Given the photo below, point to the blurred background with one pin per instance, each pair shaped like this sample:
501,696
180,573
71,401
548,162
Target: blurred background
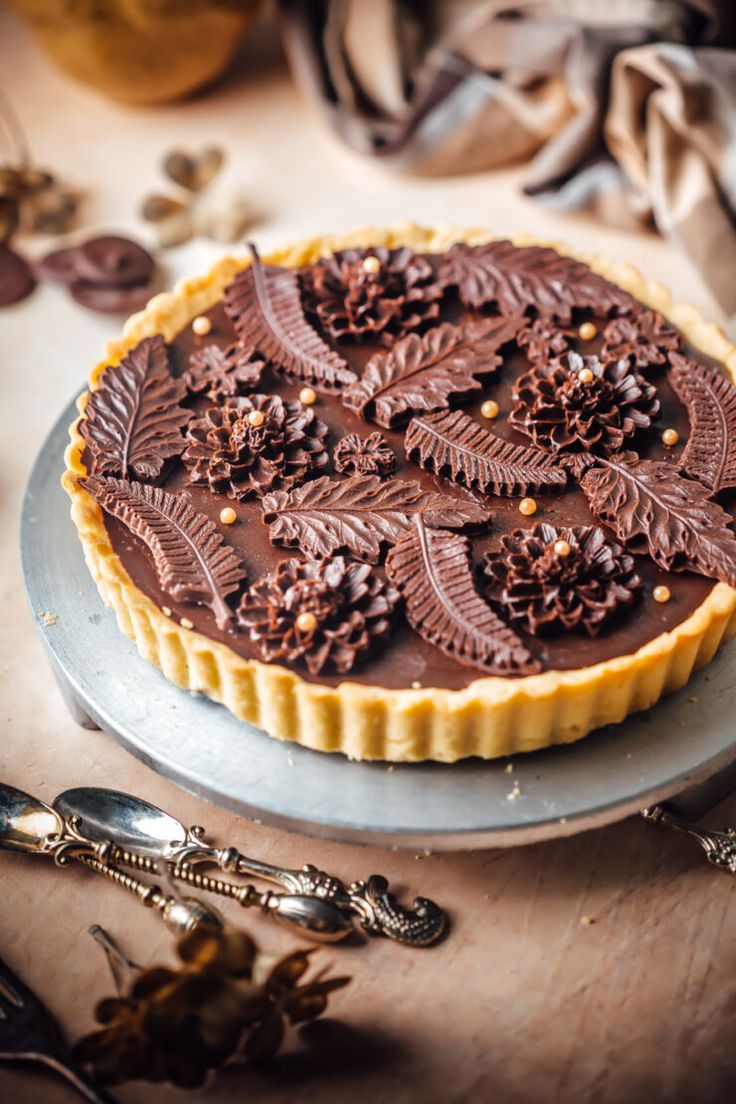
609,124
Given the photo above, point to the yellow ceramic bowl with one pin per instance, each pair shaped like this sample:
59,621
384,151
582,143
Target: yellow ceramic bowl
139,51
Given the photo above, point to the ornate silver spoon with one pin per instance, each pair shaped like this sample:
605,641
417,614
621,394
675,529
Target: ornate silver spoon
29,825
142,829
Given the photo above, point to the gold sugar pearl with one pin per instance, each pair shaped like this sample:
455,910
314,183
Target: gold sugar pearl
186,623
489,409
670,437
306,622
587,331
585,375
661,594
228,516
307,396
256,418
371,265
527,507
562,548
202,325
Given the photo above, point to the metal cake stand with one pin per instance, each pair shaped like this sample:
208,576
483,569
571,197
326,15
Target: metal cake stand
204,749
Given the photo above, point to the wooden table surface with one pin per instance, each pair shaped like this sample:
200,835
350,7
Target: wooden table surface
527,1000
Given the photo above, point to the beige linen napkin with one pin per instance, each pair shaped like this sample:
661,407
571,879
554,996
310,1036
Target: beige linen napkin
626,108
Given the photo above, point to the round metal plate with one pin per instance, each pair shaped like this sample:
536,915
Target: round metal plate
203,748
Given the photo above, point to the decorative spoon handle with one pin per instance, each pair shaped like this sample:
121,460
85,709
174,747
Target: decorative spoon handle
140,829
314,918
719,847
370,902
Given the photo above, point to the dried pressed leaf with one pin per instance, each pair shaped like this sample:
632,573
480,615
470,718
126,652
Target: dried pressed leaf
425,371
710,453
431,568
193,562
133,422
652,508
517,278
453,444
266,308
359,514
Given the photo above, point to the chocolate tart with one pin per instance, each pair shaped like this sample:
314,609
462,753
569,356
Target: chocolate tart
415,494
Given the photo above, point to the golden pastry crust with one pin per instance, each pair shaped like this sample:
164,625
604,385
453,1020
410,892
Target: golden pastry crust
492,716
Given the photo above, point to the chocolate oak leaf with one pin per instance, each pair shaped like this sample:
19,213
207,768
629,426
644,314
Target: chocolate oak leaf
425,371
653,509
710,452
516,278
451,443
266,309
193,563
432,569
132,423
359,514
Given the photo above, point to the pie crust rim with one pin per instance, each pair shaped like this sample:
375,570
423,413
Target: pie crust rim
492,716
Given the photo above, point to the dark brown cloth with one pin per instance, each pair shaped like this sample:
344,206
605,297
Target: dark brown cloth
626,108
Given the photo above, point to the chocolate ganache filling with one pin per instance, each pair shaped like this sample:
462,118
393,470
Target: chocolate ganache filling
421,471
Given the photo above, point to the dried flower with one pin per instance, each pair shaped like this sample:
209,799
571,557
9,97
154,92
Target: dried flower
225,999
196,210
32,200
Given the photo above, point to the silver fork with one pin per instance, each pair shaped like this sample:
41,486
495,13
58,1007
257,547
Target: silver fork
29,1033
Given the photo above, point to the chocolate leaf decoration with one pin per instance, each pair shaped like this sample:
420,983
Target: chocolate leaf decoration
424,371
132,423
432,569
453,444
516,278
266,308
650,507
710,453
359,514
193,563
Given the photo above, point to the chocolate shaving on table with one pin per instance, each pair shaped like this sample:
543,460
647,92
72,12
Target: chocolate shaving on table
59,266
427,371
560,412
356,303
360,514
351,605
644,335
113,300
231,456
452,444
193,563
223,373
109,274
358,455
516,279
16,278
543,592
432,569
710,398
265,306
651,508
133,422
114,261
